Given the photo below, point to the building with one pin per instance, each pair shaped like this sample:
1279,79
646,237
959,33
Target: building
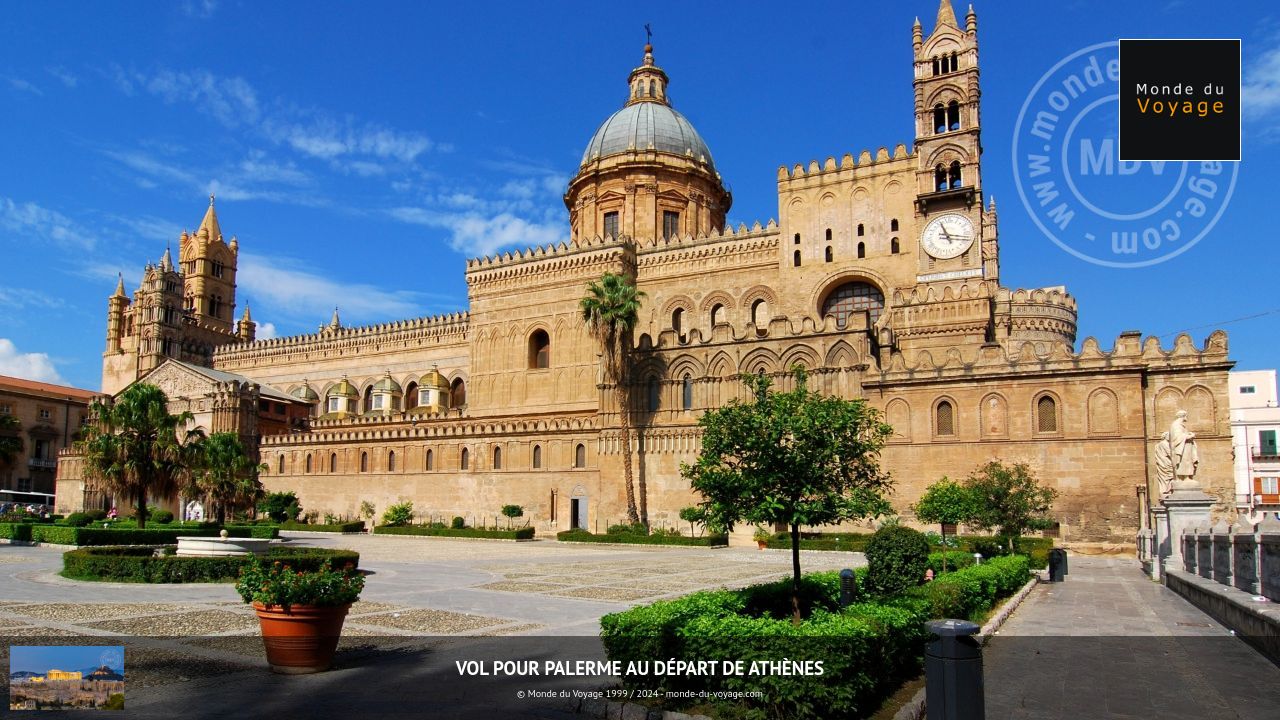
881,275
1255,424
62,675
48,417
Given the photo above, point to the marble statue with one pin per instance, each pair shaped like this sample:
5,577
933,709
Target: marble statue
1182,448
1164,466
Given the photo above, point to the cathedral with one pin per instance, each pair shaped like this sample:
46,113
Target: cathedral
881,276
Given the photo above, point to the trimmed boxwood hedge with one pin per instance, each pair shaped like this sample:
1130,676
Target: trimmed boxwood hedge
1035,548
135,563
867,650
354,526
86,536
638,539
524,533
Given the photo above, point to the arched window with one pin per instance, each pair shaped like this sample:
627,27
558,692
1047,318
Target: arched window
940,178
862,250
537,457
945,421
953,115
828,234
861,230
677,320
795,259
853,297
465,461
308,462
718,315
686,393
953,175
894,247
797,242
411,396
457,393
429,460
830,255
935,66
391,461
760,313
893,225
497,458
333,462
655,394
280,465
939,119
653,89
364,462
580,456
368,399
1046,414
539,350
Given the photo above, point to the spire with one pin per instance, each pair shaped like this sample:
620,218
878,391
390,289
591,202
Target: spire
247,329
209,225
946,16
335,323
119,286
246,317
234,244
648,82
166,262
971,21
917,34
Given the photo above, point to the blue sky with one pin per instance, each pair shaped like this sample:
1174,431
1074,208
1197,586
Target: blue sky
361,156
42,658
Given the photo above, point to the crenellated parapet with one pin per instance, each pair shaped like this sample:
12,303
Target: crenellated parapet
435,426
847,169
546,263
448,328
1040,315
728,248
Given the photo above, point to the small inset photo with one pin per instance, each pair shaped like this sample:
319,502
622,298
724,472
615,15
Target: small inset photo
66,677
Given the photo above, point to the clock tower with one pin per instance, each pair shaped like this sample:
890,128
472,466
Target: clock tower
956,238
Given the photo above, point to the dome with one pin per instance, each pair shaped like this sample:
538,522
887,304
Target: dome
644,126
344,389
434,379
387,385
306,393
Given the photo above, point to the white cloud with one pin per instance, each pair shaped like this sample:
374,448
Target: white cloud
13,299
475,234
328,139
202,9
30,366
149,227
285,285
266,331
25,86
250,179
1260,94
231,101
27,221
63,75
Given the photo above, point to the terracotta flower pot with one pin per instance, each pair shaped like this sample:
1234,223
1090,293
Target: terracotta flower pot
763,544
302,640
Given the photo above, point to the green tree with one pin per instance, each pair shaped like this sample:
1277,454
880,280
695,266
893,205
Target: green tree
946,502
611,310
227,474
280,506
1009,499
694,516
136,447
10,440
796,458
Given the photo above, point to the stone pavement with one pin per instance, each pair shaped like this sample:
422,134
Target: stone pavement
1109,643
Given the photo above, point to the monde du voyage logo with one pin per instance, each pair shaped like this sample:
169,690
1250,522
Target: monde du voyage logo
1124,152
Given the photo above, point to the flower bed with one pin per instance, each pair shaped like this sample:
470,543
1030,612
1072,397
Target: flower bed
354,526
165,535
639,539
524,533
866,650
141,564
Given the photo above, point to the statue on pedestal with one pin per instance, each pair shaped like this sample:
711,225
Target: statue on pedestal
1164,466
1182,448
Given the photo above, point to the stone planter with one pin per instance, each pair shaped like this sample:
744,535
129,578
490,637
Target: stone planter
302,639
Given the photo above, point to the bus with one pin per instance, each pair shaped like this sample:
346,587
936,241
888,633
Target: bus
43,502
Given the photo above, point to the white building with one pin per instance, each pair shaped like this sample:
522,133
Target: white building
1255,425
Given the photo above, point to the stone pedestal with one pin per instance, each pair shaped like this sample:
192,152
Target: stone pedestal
1186,507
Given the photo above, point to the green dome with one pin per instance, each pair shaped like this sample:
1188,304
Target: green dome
306,393
386,384
344,389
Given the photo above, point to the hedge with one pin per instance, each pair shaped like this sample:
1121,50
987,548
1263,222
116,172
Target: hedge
867,650
354,526
970,592
141,564
524,533
82,536
638,539
1036,548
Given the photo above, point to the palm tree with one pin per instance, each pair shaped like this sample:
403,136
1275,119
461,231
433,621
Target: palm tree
227,474
10,440
133,446
611,310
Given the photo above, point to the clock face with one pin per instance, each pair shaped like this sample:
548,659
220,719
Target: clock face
947,236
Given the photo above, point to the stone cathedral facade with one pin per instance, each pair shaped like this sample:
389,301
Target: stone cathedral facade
881,276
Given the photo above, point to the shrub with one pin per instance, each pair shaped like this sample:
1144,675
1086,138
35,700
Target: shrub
96,515
513,511
629,528
992,547
280,506
278,583
77,520
398,514
16,531
142,564
458,523
164,517
62,535
846,542
635,539
956,559
968,593
438,530
353,526
897,557
367,510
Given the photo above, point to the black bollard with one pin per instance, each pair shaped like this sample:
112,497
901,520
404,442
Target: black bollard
848,587
953,671
1057,565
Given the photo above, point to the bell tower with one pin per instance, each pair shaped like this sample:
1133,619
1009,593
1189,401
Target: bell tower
209,273
949,148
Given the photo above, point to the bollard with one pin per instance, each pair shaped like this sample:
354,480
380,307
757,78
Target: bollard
848,587
1057,565
953,671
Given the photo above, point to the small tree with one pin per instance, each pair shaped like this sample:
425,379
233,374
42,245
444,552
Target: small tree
795,457
1010,499
512,512
227,474
694,516
398,514
946,502
280,506
367,510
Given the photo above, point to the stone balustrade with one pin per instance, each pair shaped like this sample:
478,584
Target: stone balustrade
1243,555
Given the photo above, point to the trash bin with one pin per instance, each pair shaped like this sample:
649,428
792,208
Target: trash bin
1057,565
953,671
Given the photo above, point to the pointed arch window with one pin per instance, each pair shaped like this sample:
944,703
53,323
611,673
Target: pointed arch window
940,178
893,225
333,462
1046,414
944,419
894,247
686,392
429,461
537,457
953,175
458,393
368,399
936,66
497,458
939,119
828,234
411,396
677,320
862,250
861,230
795,259
953,115
829,255
580,456
654,393
464,462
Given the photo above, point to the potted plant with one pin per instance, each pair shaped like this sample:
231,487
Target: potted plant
300,612
762,537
